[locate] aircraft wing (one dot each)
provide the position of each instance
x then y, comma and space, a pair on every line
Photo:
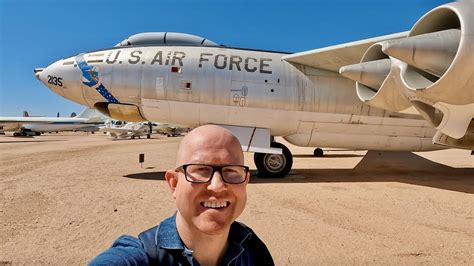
121, 130
40, 120
116, 130
334, 57
24, 120
15, 123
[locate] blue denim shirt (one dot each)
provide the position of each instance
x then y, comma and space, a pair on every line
244, 248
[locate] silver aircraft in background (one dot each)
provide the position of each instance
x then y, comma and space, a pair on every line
88, 120
410, 91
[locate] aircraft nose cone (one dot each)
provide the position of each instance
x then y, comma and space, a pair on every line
49, 78
63, 78
38, 71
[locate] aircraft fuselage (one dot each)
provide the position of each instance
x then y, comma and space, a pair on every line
195, 85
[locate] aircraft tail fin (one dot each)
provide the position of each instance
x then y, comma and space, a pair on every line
88, 113
93, 115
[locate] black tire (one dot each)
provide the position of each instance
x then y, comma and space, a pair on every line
318, 152
148, 136
133, 137
274, 165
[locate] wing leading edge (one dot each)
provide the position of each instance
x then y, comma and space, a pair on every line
334, 57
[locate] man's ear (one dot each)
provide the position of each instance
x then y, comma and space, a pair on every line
172, 179
247, 180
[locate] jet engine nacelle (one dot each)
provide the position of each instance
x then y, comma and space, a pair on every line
378, 80
437, 69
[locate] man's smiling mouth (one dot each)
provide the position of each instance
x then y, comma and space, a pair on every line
215, 205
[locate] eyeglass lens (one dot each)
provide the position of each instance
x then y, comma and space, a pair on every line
233, 174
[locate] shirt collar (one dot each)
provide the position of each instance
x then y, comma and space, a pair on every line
167, 235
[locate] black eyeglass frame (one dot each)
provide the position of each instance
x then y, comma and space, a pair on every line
214, 169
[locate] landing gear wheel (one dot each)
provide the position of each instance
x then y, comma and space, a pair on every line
133, 137
148, 136
274, 165
318, 152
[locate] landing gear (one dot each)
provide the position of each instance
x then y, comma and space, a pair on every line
274, 165
24, 133
318, 152
150, 130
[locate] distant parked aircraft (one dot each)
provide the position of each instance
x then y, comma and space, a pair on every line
121, 129
88, 120
169, 130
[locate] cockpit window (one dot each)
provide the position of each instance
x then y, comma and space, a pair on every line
165, 38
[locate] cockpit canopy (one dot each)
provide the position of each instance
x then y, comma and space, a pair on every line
165, 38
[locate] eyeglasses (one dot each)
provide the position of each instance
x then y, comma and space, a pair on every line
203, 173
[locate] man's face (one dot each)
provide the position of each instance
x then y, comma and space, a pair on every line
197, 203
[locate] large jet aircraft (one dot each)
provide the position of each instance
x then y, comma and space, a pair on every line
410, 91
88, 120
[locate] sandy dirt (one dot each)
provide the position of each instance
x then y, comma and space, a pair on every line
65, 198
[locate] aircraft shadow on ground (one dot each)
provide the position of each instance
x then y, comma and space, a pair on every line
160, 175
328, 156
401, 167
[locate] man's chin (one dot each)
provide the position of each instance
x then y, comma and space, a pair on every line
212, 226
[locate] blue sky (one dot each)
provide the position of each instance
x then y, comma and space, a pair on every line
36, 33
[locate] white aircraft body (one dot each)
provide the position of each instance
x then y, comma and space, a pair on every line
409, 91
126, 130
88, 120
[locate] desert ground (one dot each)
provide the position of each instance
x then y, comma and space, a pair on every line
65, 197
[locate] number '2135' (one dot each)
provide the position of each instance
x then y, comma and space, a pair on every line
55, 80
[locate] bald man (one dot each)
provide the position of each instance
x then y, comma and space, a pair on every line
209, 188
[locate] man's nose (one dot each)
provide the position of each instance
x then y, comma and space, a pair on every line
217, 183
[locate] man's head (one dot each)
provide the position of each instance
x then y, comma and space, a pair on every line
198, 203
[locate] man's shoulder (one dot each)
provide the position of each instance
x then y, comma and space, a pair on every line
129, 250
126, 250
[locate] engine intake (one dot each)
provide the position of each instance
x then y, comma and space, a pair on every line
437, 68
378, 81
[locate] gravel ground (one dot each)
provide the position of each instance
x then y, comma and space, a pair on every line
66, 197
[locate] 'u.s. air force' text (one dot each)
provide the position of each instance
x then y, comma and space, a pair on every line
174, 58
